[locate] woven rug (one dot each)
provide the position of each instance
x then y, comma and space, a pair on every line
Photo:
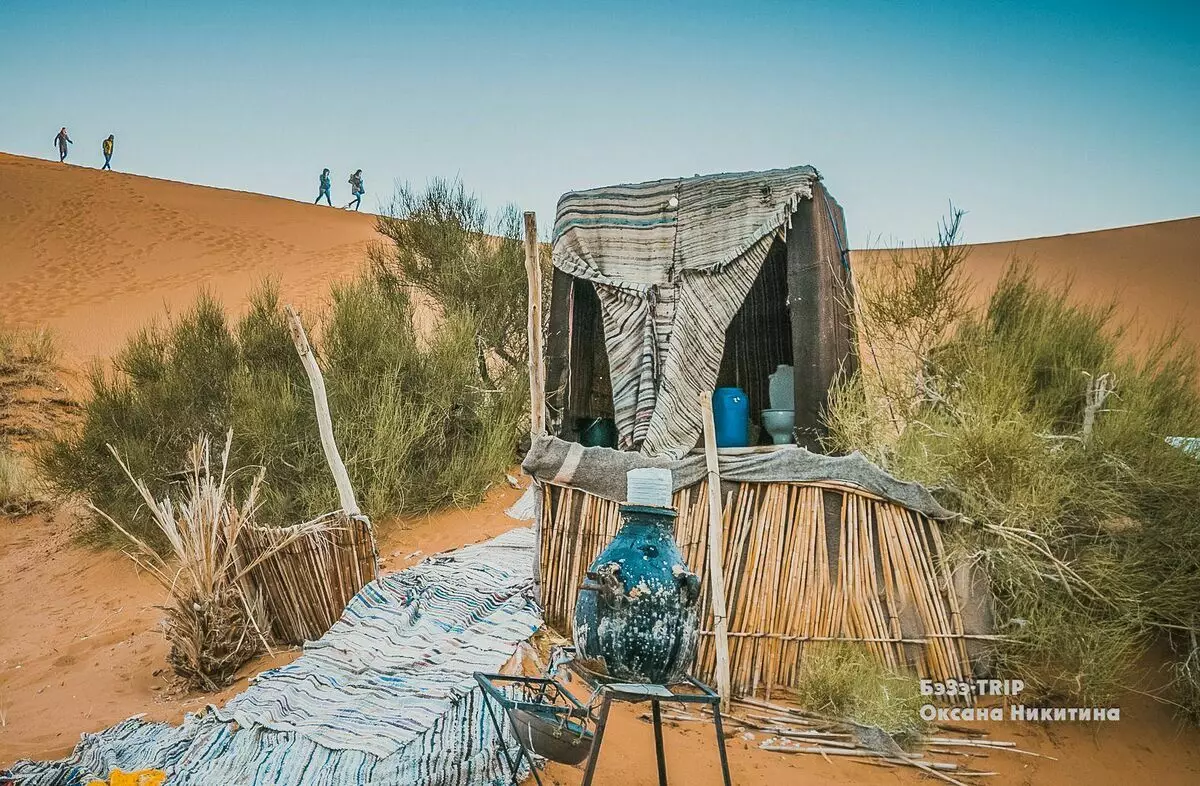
385, 697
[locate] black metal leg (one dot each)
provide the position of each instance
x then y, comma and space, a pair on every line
597, 739
512, 766
658, 743
716, 711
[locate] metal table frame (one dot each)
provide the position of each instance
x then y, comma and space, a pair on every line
545, 687
655, 694
695, 692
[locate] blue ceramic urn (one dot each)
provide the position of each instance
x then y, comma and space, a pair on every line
635, 616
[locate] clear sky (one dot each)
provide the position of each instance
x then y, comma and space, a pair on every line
1038, 118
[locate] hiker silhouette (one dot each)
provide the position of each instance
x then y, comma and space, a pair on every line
324, 192
62, 140
357, 189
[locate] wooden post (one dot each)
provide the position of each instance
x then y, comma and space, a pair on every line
324, 422
537, 370
716, 574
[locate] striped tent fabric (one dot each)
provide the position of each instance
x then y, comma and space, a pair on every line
385, 697
671, 262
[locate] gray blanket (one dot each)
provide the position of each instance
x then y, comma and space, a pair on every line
601, 471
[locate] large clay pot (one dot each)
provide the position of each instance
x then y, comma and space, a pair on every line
635, 617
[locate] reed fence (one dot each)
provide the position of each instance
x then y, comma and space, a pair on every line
306, 584
803, 562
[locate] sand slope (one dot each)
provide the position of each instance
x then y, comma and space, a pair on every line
1153, 269
94, 254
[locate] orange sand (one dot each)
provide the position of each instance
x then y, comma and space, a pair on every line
94, 255
1152, 269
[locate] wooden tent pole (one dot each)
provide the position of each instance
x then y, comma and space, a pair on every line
716, 574
324, 422
537, 368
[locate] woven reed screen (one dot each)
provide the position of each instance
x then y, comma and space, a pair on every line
306, 585
802, 563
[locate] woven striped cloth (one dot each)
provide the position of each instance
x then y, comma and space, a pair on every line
672, 261
385, 697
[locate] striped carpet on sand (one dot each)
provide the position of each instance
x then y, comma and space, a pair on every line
385, 697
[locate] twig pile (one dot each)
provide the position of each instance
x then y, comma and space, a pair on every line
793, 730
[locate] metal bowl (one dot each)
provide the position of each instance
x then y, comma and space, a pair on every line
549, 735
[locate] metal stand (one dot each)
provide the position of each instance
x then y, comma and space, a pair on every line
543, 695
550, 698
656, 694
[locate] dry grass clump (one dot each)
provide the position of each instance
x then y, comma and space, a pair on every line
1032, 419
16, 496
214, 624
843, 681
27, 356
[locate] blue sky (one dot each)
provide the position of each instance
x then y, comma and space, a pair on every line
1038, 118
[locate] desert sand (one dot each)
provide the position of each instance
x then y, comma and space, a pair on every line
95, 255
1152, 270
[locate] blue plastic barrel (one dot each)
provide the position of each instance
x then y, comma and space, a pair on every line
731, 413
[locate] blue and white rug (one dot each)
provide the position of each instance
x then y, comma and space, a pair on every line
385, 697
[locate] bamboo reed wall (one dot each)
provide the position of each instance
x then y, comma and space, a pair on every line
306, 584
802, 563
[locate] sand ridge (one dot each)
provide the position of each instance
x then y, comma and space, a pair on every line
94, 255
1153, 271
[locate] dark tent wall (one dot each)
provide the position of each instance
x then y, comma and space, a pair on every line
820, 300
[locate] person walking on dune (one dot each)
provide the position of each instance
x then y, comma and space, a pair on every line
62, 140
324, 192
108, 148
357, 189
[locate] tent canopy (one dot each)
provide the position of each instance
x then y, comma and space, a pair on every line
671, 262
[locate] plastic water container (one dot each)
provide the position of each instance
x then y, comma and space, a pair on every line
648, 486
731, 415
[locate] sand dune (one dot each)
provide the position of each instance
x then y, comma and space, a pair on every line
1153, 269
94, 254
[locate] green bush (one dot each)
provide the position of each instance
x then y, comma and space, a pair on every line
1033, 420
444, 242
415, 426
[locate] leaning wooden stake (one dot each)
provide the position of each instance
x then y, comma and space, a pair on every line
324, 423
716, 575
537, 380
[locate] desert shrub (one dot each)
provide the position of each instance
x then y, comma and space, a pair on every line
844, 681
416, 427
170, 383
1033, 419
445, 243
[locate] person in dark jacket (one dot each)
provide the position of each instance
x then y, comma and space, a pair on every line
357, 189
324, 192
107, 147
62, 140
